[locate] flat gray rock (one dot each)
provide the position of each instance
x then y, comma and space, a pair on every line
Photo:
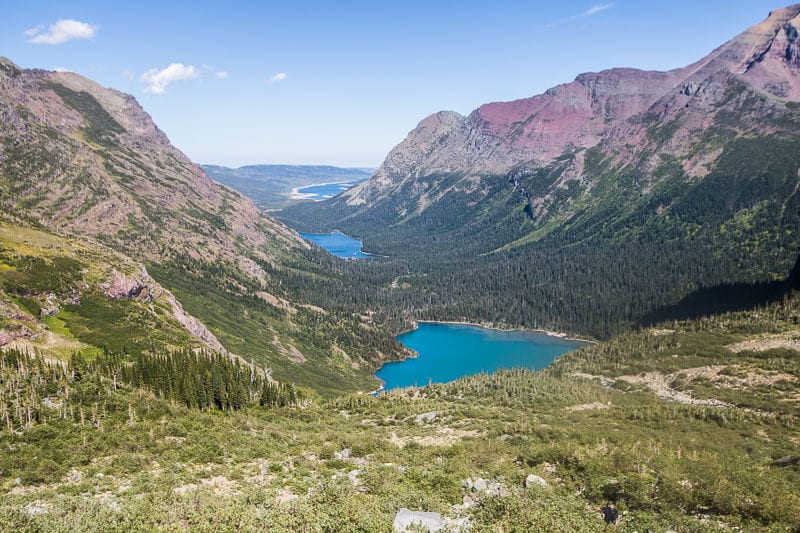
405, 518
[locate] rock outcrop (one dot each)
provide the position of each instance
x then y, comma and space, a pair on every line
407, 520
533, 480
140, 287
143, 288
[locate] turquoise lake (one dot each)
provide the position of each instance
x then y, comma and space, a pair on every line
338, 244
450, 351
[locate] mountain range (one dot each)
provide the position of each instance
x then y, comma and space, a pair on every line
613, 195
612, 110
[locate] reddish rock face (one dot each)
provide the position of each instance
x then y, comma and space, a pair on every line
141, 287
576, 114
595, 108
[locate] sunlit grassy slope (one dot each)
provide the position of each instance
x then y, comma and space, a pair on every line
690, 426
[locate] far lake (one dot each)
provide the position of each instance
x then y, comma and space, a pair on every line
338, 244
322, 191
450, 351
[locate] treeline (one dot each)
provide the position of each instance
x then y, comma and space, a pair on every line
34, 390
200, 380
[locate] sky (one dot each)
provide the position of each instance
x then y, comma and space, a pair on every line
342, 82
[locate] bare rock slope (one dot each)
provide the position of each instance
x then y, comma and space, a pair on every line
86, 160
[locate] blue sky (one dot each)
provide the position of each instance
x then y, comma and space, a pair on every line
342, 82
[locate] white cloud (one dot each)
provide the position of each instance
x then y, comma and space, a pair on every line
222, 74
61, 32
61, 69
33, 31
280, 76
158, 80
596, 9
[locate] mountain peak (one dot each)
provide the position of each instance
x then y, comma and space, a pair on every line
441, 117
418, 146
766, 55
774, 61
123, 107
107, 171
783, 14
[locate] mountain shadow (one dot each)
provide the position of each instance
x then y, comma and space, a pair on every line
726, 298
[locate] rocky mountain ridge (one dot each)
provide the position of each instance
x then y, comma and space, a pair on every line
83, 159
596, 109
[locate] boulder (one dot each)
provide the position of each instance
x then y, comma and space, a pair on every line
406, 518
484, 487
480, 485
467, 502
353, 476
533, 479
788, 460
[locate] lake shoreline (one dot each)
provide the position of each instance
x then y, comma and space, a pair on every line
415, 354
364, 255
487, 325
370, 254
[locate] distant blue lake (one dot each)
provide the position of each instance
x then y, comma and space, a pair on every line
338, 244
450, 351
323, 191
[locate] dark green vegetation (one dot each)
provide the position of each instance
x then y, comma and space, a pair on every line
269, 186
333, 348
54, 298
120, 325
100, 126
195, 380
590, 426
632, 237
